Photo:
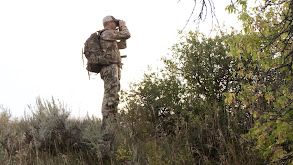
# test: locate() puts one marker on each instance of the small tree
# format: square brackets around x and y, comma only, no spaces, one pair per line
[265,53]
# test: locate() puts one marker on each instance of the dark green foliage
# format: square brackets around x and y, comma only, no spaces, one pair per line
[205,65]
[179,116]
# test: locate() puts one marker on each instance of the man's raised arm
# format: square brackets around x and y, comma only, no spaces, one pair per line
[122,34]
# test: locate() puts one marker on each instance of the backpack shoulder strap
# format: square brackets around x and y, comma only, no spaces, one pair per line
[99,32]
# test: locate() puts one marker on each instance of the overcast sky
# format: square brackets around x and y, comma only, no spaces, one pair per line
[41,43]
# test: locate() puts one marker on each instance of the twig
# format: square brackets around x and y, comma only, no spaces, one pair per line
[189,16]
[284,158]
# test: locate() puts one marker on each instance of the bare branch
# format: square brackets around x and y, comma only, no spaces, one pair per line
[203,13]
[189,16]
[213,12]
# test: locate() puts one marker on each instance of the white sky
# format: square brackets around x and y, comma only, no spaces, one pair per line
[41,42]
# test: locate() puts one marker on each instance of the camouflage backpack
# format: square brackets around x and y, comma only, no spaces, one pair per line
[94,53]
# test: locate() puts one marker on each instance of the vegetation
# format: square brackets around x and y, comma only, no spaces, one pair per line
[49,136]
[220,100]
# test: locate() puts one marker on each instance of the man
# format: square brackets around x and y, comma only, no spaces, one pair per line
[111,73]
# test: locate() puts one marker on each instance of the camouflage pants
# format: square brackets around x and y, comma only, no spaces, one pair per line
[111,75]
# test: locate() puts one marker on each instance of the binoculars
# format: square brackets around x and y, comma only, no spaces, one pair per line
[117,22]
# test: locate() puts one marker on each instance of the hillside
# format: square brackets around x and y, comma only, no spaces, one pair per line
[219,100]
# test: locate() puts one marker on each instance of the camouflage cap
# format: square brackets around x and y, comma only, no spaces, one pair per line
[109,18]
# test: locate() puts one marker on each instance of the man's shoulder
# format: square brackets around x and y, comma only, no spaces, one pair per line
[108,32]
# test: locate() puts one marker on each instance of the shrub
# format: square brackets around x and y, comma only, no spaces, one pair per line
[49,136]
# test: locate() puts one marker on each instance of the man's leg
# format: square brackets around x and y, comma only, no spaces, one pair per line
[111,76]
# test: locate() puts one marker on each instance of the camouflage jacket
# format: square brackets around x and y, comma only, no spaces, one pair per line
[110,44]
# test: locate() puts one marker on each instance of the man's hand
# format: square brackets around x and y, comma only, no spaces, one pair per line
[121,23]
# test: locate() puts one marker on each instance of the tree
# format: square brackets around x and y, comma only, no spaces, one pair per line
[265,55]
